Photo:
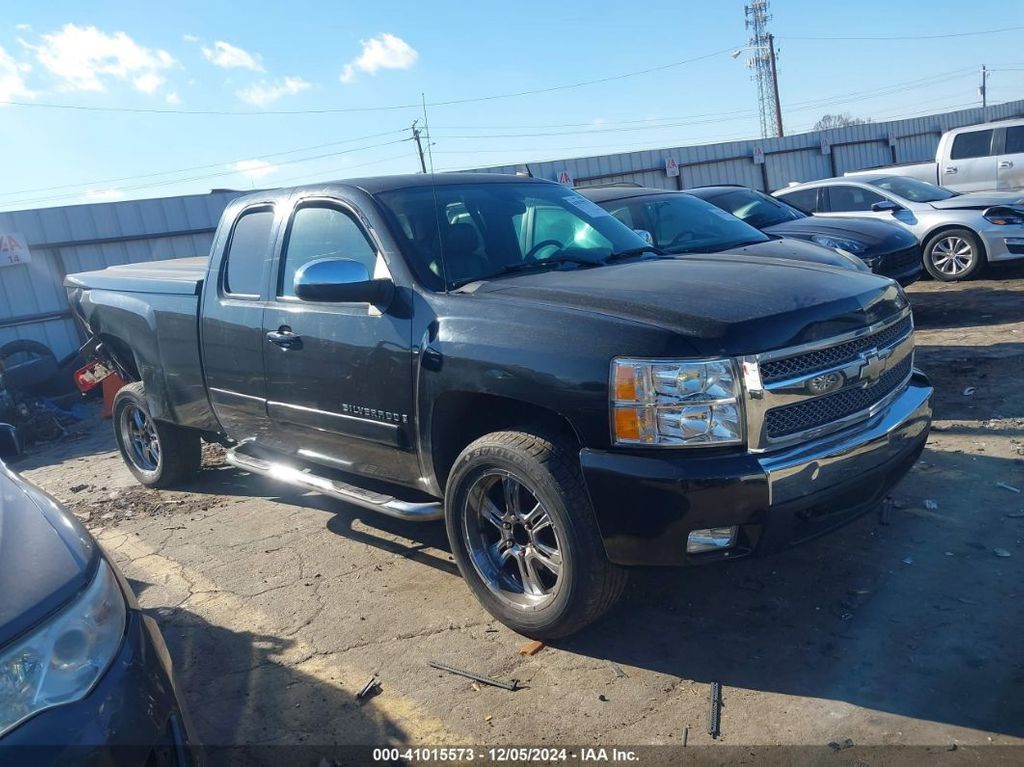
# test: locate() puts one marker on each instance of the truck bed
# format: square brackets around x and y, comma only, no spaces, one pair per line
[179,276]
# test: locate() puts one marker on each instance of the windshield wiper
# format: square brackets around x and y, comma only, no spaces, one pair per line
[631,253]
[530,266]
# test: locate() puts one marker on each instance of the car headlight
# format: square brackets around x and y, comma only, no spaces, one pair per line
[1003,216]
[61,660]
[840,243]
[676,403]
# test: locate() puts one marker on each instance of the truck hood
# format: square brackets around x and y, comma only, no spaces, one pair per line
[719,304]
[879,237]
[46,556]
[979,200]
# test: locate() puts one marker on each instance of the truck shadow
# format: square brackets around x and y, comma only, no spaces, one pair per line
[914,618]
[249,705]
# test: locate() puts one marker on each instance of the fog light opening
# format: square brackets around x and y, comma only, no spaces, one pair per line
[711,539]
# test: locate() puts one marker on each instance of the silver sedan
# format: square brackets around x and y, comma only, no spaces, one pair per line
[959,233]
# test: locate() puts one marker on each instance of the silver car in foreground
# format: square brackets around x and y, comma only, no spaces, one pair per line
[959,233]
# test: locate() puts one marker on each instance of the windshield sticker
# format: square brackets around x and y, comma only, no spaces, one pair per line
[592,209]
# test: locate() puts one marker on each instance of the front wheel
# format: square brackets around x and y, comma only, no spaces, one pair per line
[954,254]
[525,537]
[159,454]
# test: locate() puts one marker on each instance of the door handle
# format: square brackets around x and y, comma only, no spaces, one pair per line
[1005,164]
[950,169]
[285,338]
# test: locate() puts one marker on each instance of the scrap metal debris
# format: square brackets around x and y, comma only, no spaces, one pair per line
[369,689]
[513,685]
[1005,486]
[531,648]
[715,712]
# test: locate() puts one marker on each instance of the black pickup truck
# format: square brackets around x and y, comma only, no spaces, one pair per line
[502,353]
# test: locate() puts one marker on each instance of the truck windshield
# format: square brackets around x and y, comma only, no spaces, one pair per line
[457,233]
[912,189]
[681,223]
[756,208]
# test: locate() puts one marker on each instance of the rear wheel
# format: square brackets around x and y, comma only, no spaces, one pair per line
[524,535]
[954,254]
[159,454]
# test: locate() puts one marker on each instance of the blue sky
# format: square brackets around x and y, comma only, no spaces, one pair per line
[307,56]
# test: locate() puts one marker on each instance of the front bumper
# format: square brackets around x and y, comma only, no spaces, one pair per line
[132,716]
[1003,243]
[647,502]
[905,265]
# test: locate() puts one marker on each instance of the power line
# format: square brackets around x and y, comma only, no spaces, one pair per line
[197,167]
[390,107]
[907,37]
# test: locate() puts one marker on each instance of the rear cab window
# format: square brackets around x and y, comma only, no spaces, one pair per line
[972,144]
[246,253]
[1014,140]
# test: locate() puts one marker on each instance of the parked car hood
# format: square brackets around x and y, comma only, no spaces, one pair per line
[719,304]
[46,556]
[798,250]
[878,236]
[979,200]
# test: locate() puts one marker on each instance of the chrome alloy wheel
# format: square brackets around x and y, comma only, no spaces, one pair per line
[138,433]
[952,255]
[511,540]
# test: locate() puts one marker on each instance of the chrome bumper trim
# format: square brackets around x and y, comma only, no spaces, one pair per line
[889,435]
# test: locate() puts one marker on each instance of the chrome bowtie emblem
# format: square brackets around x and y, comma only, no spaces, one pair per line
[873,363]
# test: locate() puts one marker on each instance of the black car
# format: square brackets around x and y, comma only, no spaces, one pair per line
[886,248]
[85,677]
[677,223]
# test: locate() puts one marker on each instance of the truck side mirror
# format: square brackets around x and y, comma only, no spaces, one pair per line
[341,280]
[10,445]
[886,206]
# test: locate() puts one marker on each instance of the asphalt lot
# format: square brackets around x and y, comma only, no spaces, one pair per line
[277,607]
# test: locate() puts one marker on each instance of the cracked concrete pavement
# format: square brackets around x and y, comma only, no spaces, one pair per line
[278,606]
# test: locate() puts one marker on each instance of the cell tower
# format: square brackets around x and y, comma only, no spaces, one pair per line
[762,62]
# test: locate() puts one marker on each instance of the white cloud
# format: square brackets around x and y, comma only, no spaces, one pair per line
[229,56]
[384,52]
[263,93]
[104,195]
[12,81]
[254,169]
[84,57]
[23,27]
[190,38]
[173,99]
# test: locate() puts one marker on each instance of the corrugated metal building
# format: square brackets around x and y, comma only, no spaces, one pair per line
[78,238]
[770,164]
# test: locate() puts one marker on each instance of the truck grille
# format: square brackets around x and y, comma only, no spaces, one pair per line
[783,421]
[901,262]
[822,359]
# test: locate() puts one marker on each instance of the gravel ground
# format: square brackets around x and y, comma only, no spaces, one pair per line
[277,606]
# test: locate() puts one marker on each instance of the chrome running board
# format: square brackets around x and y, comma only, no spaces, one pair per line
[367,499]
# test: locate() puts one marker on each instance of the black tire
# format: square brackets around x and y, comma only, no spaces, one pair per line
[546,470]
[177,456]
[953,254]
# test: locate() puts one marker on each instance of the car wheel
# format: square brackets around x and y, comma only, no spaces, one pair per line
[525,537]
[954,254]
[159,454]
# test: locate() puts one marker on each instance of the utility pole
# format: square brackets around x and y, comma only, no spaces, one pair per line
[762,62]
[775,86]
[983,92]
[419,146]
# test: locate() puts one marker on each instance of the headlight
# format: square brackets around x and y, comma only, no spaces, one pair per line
[675,403]
[1002,216]
[61,660]
[840,243]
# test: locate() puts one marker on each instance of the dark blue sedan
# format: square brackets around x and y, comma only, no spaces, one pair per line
[85,677]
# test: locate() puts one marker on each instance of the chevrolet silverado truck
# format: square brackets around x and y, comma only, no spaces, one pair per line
[502,353]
